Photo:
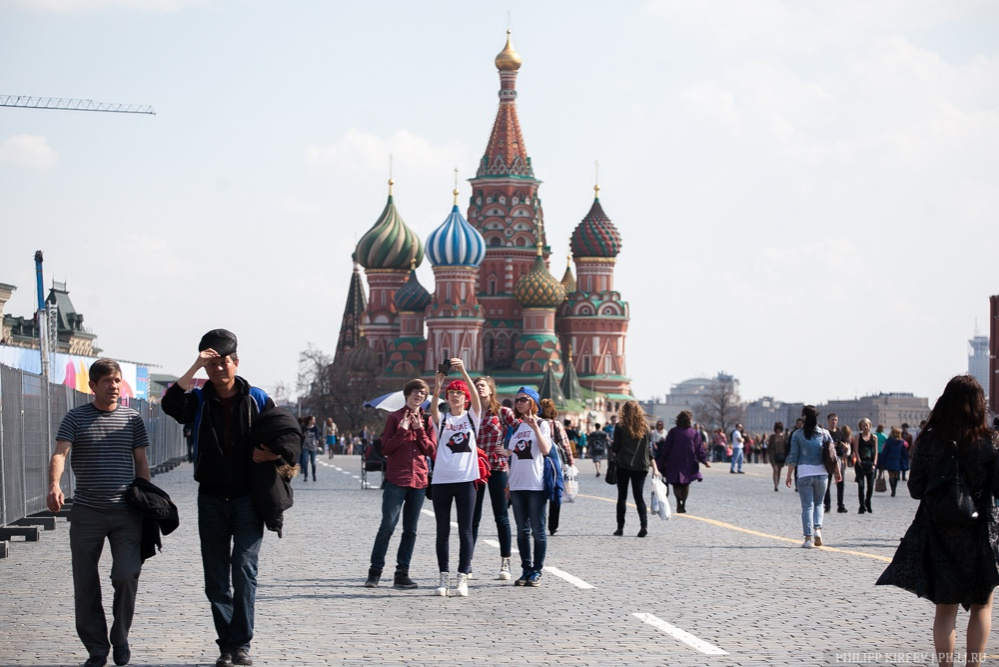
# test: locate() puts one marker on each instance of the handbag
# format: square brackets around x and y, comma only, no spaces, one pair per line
[948,498]
[829,458]
[611,476]
[879,484]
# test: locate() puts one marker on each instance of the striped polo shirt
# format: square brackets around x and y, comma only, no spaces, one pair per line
[101,454]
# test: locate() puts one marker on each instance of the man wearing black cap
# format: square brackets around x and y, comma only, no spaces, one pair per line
[230,527]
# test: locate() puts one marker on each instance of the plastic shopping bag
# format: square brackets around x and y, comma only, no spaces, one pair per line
[661,504]
[571,483]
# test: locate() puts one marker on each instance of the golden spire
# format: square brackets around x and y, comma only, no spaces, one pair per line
[456,186]
[596,179]
[390,181]
[508,59]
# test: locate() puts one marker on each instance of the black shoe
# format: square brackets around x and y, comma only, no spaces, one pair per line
[241,656]
[121,655]
[643,532]
[620,531]
[374,576]
[869,510]
[402,580]
[96,661]
[828,508]
[842,510]
[225,660]
[553,531]
[861,510]
[598,474]
[523,578]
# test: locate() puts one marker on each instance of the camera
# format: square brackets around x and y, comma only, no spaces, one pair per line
[444,367]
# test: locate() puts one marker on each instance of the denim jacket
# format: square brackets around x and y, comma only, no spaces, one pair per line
[807,451]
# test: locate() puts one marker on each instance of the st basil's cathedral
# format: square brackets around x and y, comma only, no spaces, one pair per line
[495,303]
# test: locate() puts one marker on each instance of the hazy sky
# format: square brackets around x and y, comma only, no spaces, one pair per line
[807,192]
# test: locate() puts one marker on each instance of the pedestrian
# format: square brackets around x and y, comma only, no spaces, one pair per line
[573,434]
[738,445]
[778,443]
[832,422]
[329,435]
[229,525]
[611,427]
[679,456]
[880,434]
[560,440]
[907,438]
[633,455]
[658,435]
[865,460]
[310,446]
[456,469]
[529,444]
[720,444]
[408,439]
[598,442]
[496,419]
[806,457]
[109,444]
[890,458]
[950,563]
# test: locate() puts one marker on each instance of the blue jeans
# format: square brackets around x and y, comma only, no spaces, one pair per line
[497,498]
[529,513]
[811,490]
[394,500]
[303,462]
[231,532]
[737,457]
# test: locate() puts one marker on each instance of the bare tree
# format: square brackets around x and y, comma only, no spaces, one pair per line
[339,389]
[721,408]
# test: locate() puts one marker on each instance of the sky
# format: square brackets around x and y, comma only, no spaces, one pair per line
[807,192]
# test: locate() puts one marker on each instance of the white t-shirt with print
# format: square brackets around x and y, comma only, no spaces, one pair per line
[457,459]
[527,463]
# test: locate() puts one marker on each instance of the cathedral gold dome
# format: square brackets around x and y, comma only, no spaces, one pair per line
[508,59]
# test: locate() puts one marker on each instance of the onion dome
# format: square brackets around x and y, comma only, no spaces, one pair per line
[390,244]
[455,242]
[596,235]
[362,359]
[568,280]
[508,59]
[538,288]
[412,297]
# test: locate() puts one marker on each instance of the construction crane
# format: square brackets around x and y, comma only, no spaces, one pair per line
[63,104]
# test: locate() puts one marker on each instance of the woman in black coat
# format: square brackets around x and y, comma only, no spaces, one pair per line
[947,562]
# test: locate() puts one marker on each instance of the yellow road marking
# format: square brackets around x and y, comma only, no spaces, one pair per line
[756,533]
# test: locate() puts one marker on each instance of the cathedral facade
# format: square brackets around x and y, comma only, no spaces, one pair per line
[495,303]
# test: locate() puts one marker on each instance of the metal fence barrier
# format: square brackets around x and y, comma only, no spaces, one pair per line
[26,446]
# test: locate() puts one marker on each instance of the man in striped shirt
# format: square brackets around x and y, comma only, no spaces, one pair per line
[109,451]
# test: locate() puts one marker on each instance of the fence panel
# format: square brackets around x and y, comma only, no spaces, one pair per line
[36,447]
[12,459]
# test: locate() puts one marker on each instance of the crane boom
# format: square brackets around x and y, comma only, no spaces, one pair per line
[65,104]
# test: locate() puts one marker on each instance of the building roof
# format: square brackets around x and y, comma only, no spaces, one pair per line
[350,324]
[412,297]
[390,243]
[538,288]
[455,242]
[506,154]
[596,235]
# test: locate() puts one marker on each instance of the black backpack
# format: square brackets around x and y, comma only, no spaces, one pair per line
[948,497]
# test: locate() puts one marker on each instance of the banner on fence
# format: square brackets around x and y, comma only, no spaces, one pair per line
[74,371]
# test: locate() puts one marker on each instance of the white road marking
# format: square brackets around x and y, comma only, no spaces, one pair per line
[575,581]
[345,472]
[355,476]
[684,636]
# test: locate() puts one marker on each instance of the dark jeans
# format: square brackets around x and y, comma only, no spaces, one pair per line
[840,488]
[529,514]
[303,461]
[463,495]
[231,532]
[554,510]
[637,480]
[88,529]
[497,497]
[865,474]
[394,500]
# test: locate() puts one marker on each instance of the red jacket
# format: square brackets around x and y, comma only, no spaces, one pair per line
[406,450]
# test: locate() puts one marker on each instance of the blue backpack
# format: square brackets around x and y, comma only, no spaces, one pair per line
[554,477]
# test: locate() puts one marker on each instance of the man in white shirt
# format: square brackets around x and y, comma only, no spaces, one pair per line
[737,449]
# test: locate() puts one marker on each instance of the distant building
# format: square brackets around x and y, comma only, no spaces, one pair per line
[762,413]
[978,361]
[72,337]
[892,409]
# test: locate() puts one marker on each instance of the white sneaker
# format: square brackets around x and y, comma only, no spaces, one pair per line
[462,588]
[504,574]
[807,544]
[818,537]
[445,581]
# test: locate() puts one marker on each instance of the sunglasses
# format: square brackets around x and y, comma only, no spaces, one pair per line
[523,399]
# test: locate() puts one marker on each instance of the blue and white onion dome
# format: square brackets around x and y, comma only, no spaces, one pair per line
[455,242]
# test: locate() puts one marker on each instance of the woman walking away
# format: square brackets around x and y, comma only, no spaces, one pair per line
[891,457]
[865,460]
[778,444]
[456,469]
[329,435]
[678,457]
[633,455]
[948,557]
[529,445]
[806,457]
[658,435]
[310,445]
[560,441]
[408,439]
[597,441]
[495,420]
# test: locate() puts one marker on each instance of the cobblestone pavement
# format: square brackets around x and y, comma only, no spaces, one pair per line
[725,584]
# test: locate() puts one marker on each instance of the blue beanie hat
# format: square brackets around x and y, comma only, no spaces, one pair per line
[535,396]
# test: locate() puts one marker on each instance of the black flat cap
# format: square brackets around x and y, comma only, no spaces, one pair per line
[222,341]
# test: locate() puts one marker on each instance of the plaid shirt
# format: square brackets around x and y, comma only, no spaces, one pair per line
[490,437]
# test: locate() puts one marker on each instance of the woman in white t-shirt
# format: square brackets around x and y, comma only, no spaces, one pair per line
[529,444]
[456,468]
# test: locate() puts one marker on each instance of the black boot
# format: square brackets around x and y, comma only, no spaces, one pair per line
[402,580]
[620,530]
[374,575]
[644,531]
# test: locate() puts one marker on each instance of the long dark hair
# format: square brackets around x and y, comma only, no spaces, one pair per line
[811,416]
[959,414]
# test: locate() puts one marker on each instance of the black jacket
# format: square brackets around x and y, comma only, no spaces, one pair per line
[223,469]
[272,493]
[158,513]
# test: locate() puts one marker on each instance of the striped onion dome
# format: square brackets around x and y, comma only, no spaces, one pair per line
[596,235]
[412,297]
[456,243]
[390,244]
[538,288]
